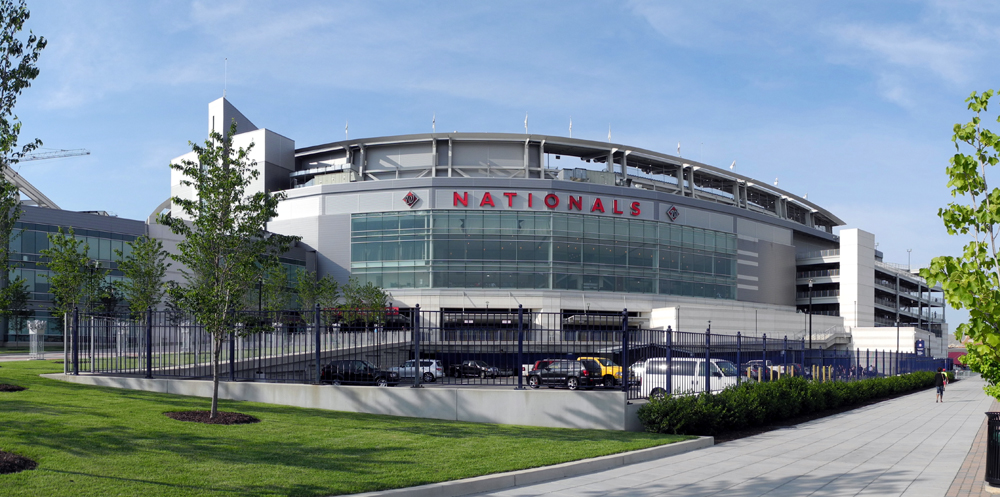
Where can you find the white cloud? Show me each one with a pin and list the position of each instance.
(887, 48)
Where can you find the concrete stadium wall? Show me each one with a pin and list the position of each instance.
(598, 409)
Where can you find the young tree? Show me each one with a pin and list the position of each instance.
(15, 303)
(17, 70)
(311, 290)
(274, 289)
(144, 268)
(972, 280)
(226, 248)
(365, 303)
(75, 280)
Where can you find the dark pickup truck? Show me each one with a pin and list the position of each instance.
(473, 368)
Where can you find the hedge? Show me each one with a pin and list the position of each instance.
(755, 404)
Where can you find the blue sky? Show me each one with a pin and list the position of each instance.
(851, 105)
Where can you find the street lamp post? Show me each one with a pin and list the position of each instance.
(810, 314)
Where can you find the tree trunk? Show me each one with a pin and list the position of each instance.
(216, 352)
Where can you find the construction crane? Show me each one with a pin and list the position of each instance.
(55, 154)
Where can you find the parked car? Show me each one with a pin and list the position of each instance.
(473, 367)
(430, 369)
(568, 373)
(611, 373)
(659, 377)
(356, 372)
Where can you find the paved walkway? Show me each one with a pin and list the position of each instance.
(909, 446)
(969, 481)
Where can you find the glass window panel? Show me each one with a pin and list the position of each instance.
(699, 238)
(359, 224)
(649, 231)
(41, 241)
(607, 254)
(14, 244)
(404, 280)
(508, 251)
(724, 266)
(621, 228)
(607, 284)
(93, 247)
(104, 252)
(592, 226)
(621, 253)
(116, 246)
(491, 221)
(688, 238)
(607, 231)
(491, 250)
(575, 224)
(591, 282)
(591, 253)
(390, 222)
(508, 222)
(28, 243)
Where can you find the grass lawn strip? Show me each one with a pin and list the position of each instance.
(105, 441)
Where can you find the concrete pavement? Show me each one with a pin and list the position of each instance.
(908, 446)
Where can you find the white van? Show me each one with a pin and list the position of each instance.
(686, 375)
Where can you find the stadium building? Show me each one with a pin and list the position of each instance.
(467, 223)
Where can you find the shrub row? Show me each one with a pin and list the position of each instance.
(754, 404)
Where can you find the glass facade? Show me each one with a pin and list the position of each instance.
(541, 250)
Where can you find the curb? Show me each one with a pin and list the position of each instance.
(490, 483)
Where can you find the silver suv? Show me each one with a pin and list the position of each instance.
(430, 369)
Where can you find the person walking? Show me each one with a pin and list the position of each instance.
(940, 380)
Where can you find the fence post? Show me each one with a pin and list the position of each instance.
(149, 342)
(739, 363)
(624, 347)
(803, 349)
(317, 323)
(708, 358)
(670, 341)
(416, 348)
(76, 340)
(763, 363)
(232, 356)
(784, 353)
(520, 346)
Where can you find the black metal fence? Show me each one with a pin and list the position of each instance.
(457, 348)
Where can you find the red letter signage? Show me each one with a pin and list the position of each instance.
(464, 199)
(614, 208)
(635, 209)
(598, 205)
(551, 201)
(510, 198)
(575, 202)
(487, 200)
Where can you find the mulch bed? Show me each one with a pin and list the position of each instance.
(13, 463)
(5, 387)
(221, 417)
(791, 422)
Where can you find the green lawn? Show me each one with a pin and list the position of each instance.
(104, 441)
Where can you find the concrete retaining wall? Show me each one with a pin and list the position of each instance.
(598, 409)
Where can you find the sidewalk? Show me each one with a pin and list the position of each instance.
(908, 446)
(970, 478)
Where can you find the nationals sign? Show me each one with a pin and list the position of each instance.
(551, 201)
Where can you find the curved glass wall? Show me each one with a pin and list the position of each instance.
(541, 250)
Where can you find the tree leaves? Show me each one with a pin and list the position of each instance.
(972, 280)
